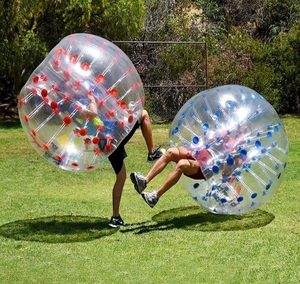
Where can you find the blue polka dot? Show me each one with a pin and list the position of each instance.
(240, 199)
(205, 126)
(217, 115)
(269, 135)
(263, 151)
(196, 140)
(257, 144)
(215, 169)
(223, 200)
(230, 161)
(218, 138)
(175, 130)
(229, 104)
(253, 195)
(214, 187)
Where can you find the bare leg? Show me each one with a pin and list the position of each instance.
(184, 166)
(177, 155)
(147, 131)
(171, 155)
(117, 191)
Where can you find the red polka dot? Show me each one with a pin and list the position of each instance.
(83, 131)
(108, 147)
(67, 74)
(97, 151)
(95, 140)
(55, 87)
(21, 102)
(46, 147)
(130, 119)
(44, 93)
(67, 120)
(100, 128)
(35, 79)
(34, 90)
(53, 105)
(78, 107)
(58, 158)
(59, 51)
(111, 113)
(73, 58)
(44, 77)
(110, 138)
(66, 97)
(100, 103)
(123, 105)
(85, 66)
(100, 78)
(114, 92)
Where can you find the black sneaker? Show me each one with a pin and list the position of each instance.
(156, 155)
(116, 222)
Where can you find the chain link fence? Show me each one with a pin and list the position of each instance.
(172, 72)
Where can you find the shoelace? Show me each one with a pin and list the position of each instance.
(156, 149)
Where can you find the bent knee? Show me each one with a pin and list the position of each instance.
(172, 154)
(144, 115)
(183, 164)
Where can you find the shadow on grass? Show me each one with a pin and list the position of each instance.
(10, 124)
(197, 219)
(58, 229)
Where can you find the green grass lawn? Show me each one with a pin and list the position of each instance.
(53, 225)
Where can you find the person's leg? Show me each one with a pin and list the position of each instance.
(184, 166)
(116, 160)
(146, 128)
(117, 191)
(171, 155)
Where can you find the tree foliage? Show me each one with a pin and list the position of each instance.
(31, 28)
(253, 43)
(286, 61)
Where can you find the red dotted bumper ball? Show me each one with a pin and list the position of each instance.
(83, 92)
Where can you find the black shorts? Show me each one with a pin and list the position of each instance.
(117, 156)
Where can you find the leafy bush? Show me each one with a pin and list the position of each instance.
(286, 58)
